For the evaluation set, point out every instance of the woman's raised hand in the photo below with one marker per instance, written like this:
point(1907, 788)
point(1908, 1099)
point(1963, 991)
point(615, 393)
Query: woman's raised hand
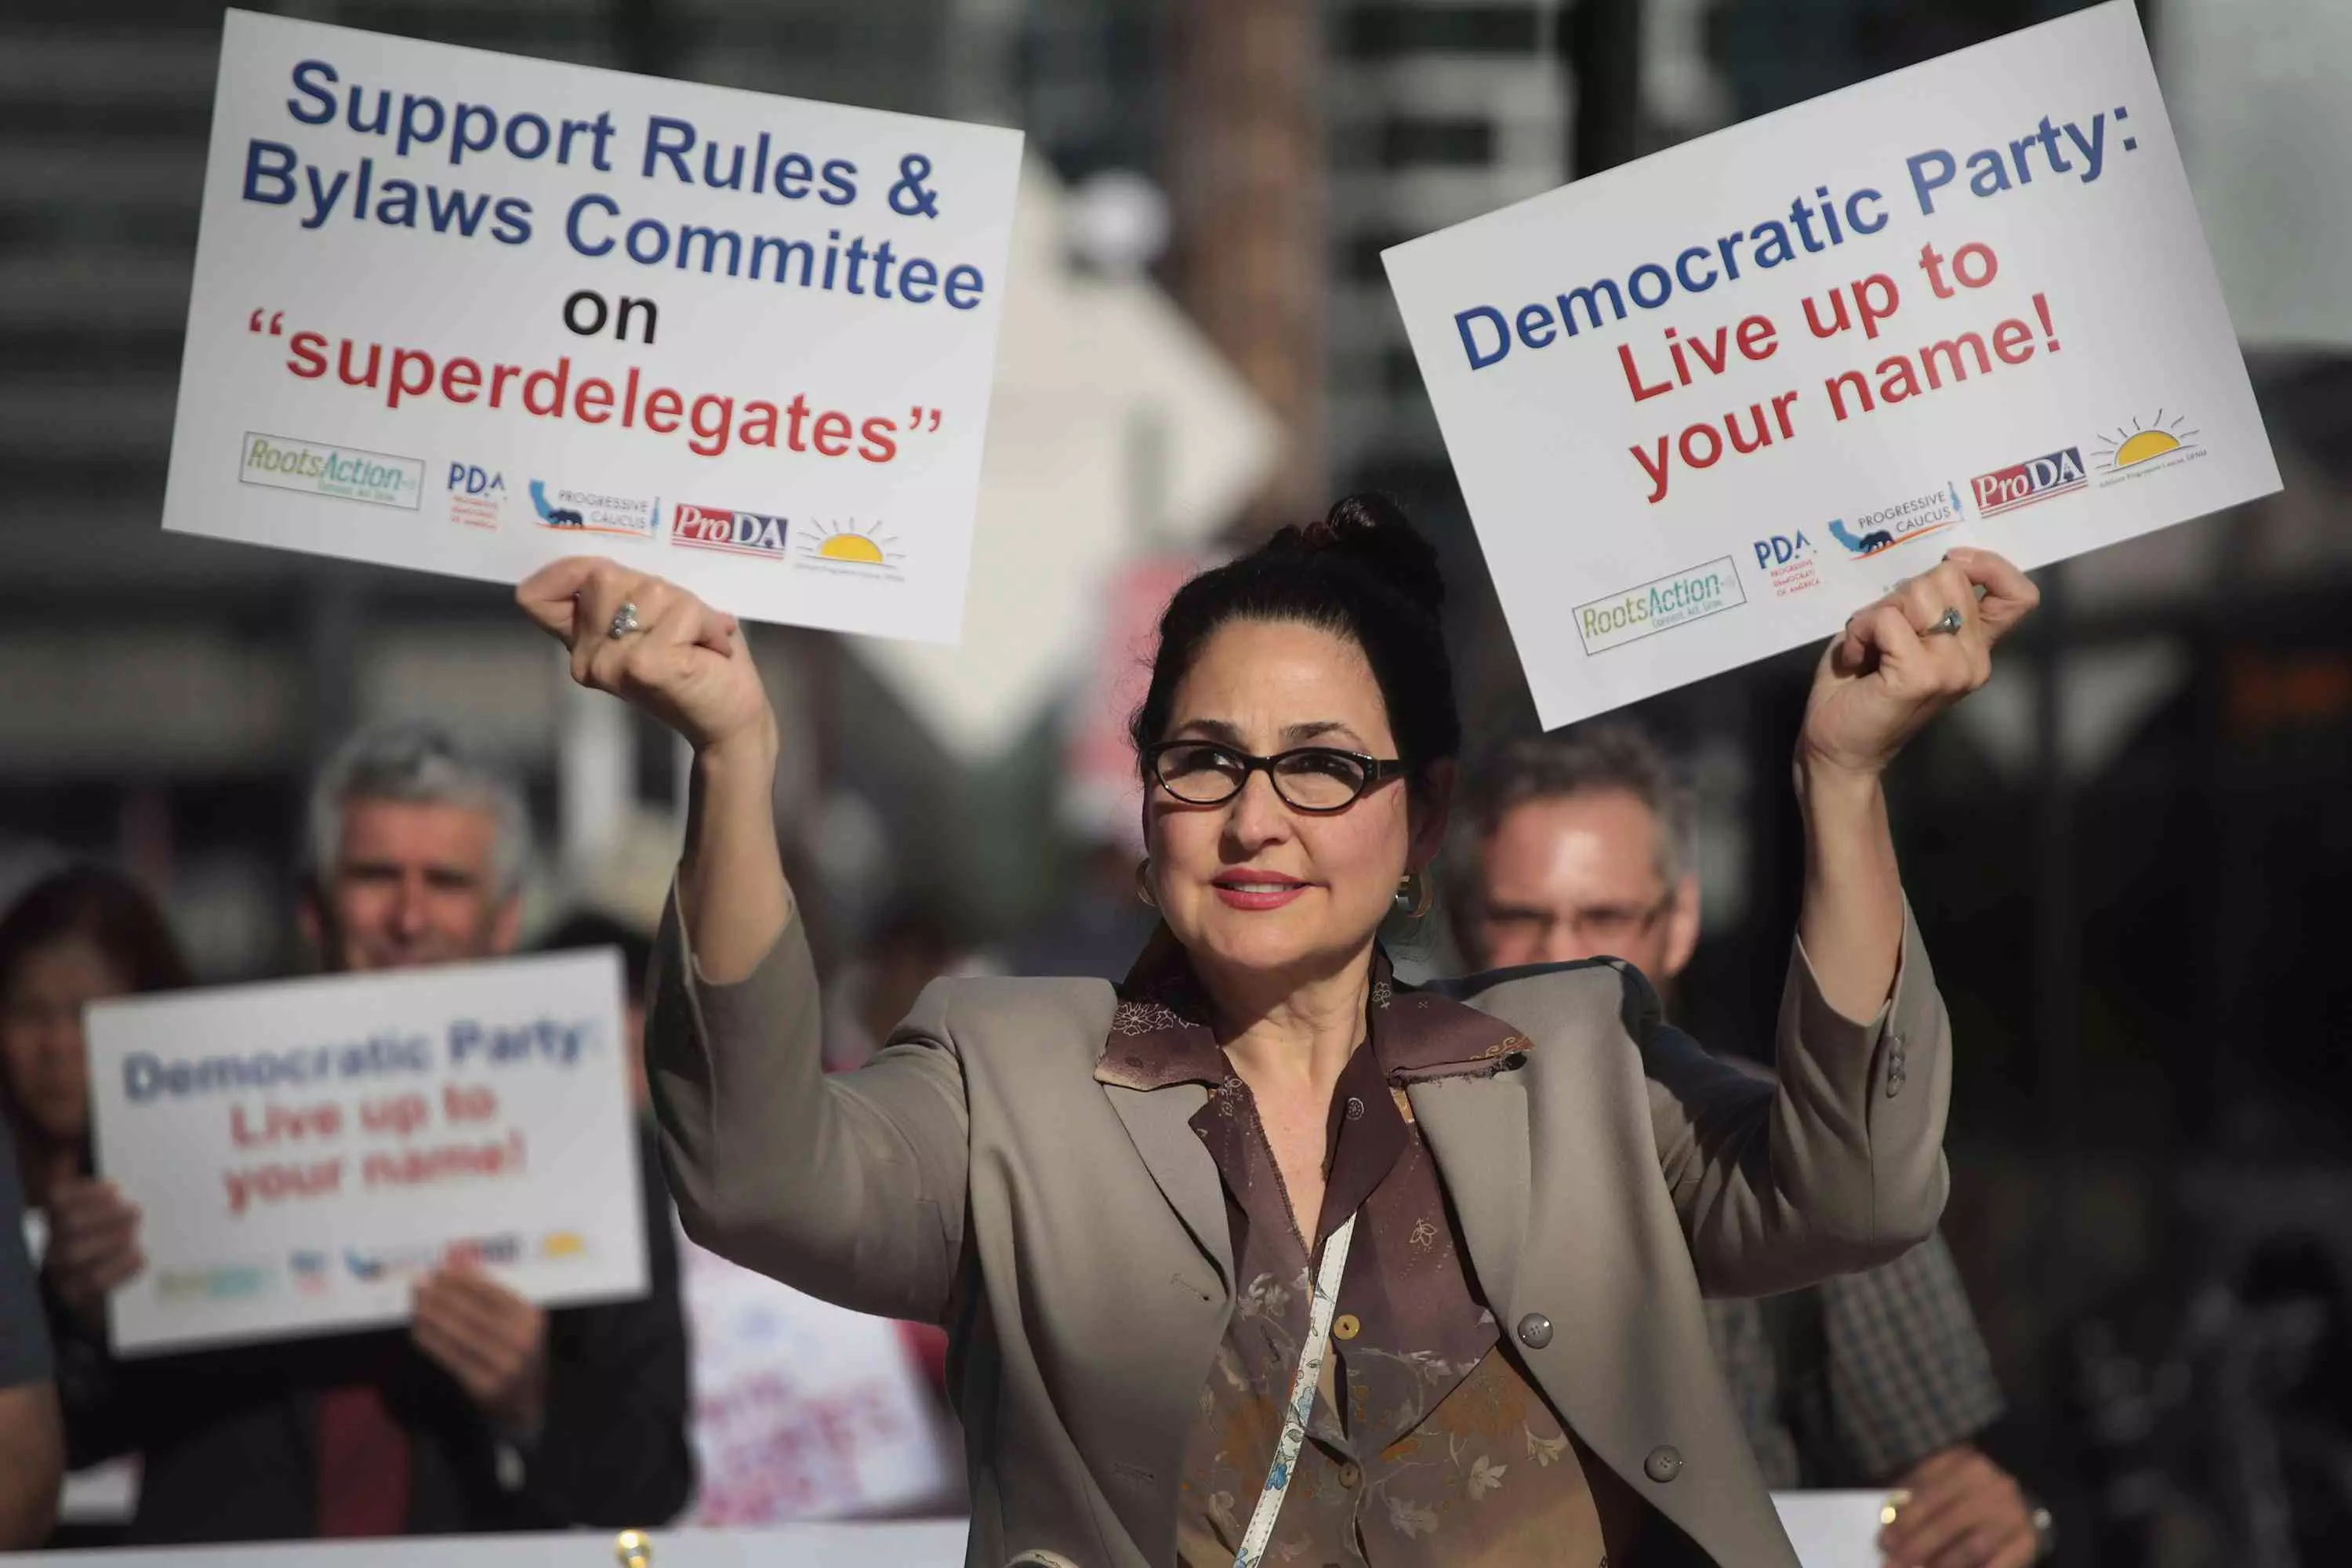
point(653, 644)
point(1888, 673)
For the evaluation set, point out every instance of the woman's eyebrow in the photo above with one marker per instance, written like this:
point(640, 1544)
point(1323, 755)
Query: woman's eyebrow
point(1302, 734)
point(1321, 730)
point(1210, 729)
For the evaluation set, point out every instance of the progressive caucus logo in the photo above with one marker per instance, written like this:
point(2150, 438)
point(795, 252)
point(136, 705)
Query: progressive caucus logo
point(594, 512)
point(2033, 480)
point(737, 533)
point(1648, 609)
point(1883, 528)
point(344, 473)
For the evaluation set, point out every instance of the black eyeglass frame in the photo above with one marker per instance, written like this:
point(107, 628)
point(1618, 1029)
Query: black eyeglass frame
point(1377, 771)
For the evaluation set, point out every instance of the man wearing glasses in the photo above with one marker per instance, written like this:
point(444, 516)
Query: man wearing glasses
point(1582, 847)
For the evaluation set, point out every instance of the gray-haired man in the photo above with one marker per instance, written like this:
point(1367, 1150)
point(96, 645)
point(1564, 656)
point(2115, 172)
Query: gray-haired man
point(416, 855)
point(1584, 847)
point(489, 1412)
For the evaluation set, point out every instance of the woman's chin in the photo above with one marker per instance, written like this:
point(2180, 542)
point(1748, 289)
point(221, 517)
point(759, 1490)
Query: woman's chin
point(1263, 941)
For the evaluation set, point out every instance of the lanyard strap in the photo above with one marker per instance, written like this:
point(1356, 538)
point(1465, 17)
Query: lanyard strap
point(1303, 1384)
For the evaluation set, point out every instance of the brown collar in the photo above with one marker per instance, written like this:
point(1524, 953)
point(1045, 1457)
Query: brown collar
point(1161, 1035)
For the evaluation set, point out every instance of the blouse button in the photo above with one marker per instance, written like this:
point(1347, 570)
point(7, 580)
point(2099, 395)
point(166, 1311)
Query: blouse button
point(1663, 1464)
point(1355, 1109)
point(1346, 1326)
point(1535, 1330)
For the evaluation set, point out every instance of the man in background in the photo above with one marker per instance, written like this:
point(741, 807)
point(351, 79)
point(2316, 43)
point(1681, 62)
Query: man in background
point(32, 1443)
point(1583, 846)
point(489, 1413)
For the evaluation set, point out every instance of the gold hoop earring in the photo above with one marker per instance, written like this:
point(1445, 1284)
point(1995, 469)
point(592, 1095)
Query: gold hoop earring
point(1416, 896)
point(1143, 883)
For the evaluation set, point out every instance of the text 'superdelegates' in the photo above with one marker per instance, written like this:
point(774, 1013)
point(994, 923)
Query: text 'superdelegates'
point(1967, 303)
point(468, 312)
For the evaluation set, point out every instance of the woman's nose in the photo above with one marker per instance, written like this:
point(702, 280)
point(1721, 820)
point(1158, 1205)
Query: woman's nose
point(1258, 815)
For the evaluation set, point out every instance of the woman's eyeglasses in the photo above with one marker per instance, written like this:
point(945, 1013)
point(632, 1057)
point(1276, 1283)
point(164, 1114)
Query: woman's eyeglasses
point(1313, 779)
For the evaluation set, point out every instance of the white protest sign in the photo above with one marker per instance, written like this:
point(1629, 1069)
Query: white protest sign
point(804, 1409)
point(1833, 1528)
point(1705, 406)
point(302, 1151)
point(469, 312)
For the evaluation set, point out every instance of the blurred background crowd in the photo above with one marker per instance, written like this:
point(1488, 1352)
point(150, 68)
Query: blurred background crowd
point(2124, 855)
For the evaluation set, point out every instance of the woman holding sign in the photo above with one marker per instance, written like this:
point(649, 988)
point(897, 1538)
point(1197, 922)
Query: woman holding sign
point(1263, 1254)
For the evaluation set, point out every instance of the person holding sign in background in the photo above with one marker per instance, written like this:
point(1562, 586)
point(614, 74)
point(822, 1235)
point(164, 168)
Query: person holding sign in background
point(1156, 1219)
point(32, 1445)
point(78, 936)
point(1583, 844)
point(491, 1413)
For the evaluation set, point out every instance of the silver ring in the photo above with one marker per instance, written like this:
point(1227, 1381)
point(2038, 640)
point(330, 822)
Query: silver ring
point(1948, 623)
point(625, 621)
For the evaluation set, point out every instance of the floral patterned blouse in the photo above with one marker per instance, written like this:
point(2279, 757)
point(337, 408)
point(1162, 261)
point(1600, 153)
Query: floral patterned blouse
point(1428, 1444)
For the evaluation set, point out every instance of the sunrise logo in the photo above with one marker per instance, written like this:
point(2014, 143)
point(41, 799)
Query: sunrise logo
point(2146, 444)
point(845, 548)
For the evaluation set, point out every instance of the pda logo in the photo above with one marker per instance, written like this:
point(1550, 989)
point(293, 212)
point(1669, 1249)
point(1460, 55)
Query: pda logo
point(476, 495)
point(311, 1271)
point(2024, 484)
point(1788, 562)
point(737, 533)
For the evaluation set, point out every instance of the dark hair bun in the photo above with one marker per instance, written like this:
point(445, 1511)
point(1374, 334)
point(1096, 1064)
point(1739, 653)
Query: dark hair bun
point(1361, 573)
point(1371, 531)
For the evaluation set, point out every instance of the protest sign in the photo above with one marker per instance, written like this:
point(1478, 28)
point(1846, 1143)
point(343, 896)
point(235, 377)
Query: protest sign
point(804, 1409)
point(302, 1151)
point(468, 312)
point(1833, 1528)
point(1705, 406)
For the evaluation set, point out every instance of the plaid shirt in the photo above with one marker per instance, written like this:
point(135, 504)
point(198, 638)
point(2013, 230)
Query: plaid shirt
point(1856, 1380)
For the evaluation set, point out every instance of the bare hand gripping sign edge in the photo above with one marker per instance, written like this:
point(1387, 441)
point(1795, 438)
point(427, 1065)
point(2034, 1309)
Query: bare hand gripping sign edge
point(1074, 1230)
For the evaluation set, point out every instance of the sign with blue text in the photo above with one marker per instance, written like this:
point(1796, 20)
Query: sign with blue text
point(1705, 407)
point(467, 312)
point(303, 1152)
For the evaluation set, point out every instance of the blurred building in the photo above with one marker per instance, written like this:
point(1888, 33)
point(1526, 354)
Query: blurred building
point(1438, 112)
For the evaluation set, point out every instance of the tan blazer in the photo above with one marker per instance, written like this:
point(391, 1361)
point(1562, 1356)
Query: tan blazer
point(1072, 1234)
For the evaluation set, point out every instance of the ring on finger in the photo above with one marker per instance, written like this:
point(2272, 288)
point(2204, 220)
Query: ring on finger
point(625, 621)
point(1945, 625)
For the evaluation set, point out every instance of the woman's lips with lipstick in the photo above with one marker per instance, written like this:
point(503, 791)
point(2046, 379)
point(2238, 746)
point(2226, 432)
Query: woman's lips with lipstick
point(1257, 890)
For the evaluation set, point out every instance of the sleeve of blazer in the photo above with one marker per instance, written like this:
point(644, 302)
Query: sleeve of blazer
point(613, 1451)
point(1836, 1164)
point(849, 1186)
